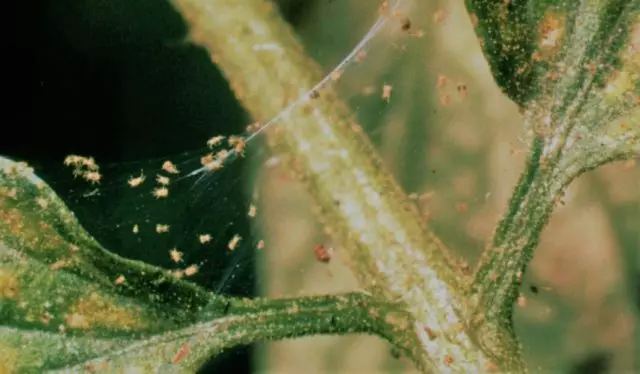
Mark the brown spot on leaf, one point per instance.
(96, 310)
(9, 285)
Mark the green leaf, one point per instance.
(68, 305)
(541, 47)
(65, 299)
(573, 66)
(39, 224)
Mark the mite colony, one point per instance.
(84, 167)
(215, 160)
(87, 168)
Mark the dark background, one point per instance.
(114, 80)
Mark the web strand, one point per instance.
(231, 154)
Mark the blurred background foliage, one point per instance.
(116, 80)
(452, 138)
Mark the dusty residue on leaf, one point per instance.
(10, 357)
(29, 230)
(94, 310)
(623, 82)
(620, 84)
(12, 219)
(550, 33)
(9, 285)
(15, 169)
(631, 56)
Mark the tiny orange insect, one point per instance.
(252, 211)
(161, 192)
(214, 141)
(136, 181)
(204, 238)
(386, 92)
(190, 270)
(233, 243)
(72, 160)
(182, 352)
(93, 177)
(448, 360)
(170, 167)
(440, 16)
(89, 162)
(322, 254)
(176, 255)
(162, 180)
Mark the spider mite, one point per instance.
(93, 177)
(182, 352)
(384, 7)
(440, 16)
(170, 167)
(191, 270)
(204, 238)
(252, 211)
(214, 141)
(386, 92)
(233, 243)
(136, 181)
(162, 180)
(176, 256)
(160, 193)
(322, 253)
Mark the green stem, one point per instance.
(247, 321)
(520, 193)
(390, 250)
(497, 279)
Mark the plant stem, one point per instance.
(246, 321)
(366, 212)
(498, 277)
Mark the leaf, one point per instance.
(574, 69)
(573, 66)
(26, 351)
(62, 310)
(506, 35)
(40, 225)
(530, 44)
(63, 298)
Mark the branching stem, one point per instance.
(246, 321)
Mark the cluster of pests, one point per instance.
(84, 167)
(87, 168)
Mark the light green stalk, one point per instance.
(391, 252)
